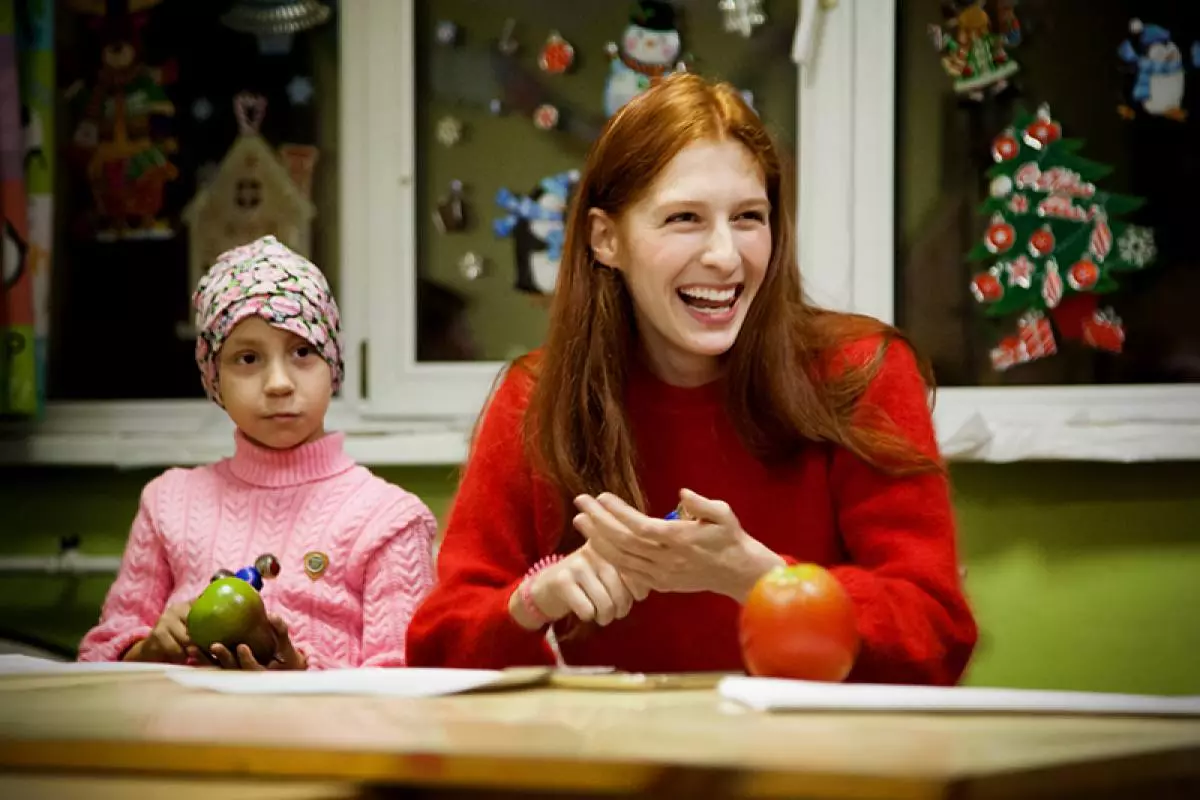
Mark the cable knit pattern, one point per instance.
(314, 498)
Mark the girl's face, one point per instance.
(274, 385)
(693, 252)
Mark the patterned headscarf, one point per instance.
(265, 279)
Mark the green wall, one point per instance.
(1082, 575)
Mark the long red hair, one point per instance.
(780, 393)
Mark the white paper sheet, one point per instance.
(19, 664)
(408, 682)
(765, 694)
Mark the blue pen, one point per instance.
(678, 513)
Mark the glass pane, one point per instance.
(157, 172)
(491, 183)
(1072, 206)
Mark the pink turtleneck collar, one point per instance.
(273, 469)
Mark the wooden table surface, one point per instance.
(114, 732)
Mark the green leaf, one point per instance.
(980, 252)
(1088, 170)
(1118, 204)
(1015, 299)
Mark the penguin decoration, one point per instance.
(1160, 71)
(536, 224)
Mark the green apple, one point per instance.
(231, 612)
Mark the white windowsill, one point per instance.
(1113, 424)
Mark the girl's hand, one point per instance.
(286, 655)
(705, 550)
(168, 642)
(583, 584)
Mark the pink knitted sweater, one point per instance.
(378, 539)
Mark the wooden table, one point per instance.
(145, 736)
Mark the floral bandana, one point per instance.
(265, 279)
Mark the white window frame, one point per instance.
(848, 257)
(416, 414)
(375, 218)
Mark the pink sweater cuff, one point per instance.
(114, 649)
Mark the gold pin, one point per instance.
(315, 564)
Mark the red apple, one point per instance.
(799, 623)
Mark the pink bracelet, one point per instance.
(527, 590)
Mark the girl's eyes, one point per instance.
(248, 358)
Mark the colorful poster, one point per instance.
(35, 65)
(18, 356)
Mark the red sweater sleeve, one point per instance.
(490, 542)
(899, 533)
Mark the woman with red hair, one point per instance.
(683, 368)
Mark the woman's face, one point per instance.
(693, 252)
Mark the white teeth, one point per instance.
(705, 293)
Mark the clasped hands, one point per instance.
(628, 554)
(168, 642)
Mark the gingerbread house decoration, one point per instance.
(254, 192)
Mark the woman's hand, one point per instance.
(583, 584)
(286, 654)
(705, 550)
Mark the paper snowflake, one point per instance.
(1137, 246)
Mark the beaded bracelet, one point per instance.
(527, 590)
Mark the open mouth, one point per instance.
(710, 299)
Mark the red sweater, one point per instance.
(889, 541)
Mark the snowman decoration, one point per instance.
(649, 49)
(1159, 83)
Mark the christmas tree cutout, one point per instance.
(1055, 243)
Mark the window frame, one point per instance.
(848, 255)
(422, 414)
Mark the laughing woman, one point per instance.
(683, 367)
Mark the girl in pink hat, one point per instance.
(353, 553)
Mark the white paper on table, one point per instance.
(19, 664)
(389, 682)
(768, 694)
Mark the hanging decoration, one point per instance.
(202, 109)
(472, 266)
(449, 131)
(507, 44)
(446, 33)
(973, 54)
(300, 90)
(451, 213)
(557, 55)
(117, 138)
(275, 22)
(1054, 242)
(650, 48)
(536, 225)
(255, 192)
(1007, 23)
(545, 117)
(742, 16)
(1159, 71)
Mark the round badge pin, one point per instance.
(315, 564)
